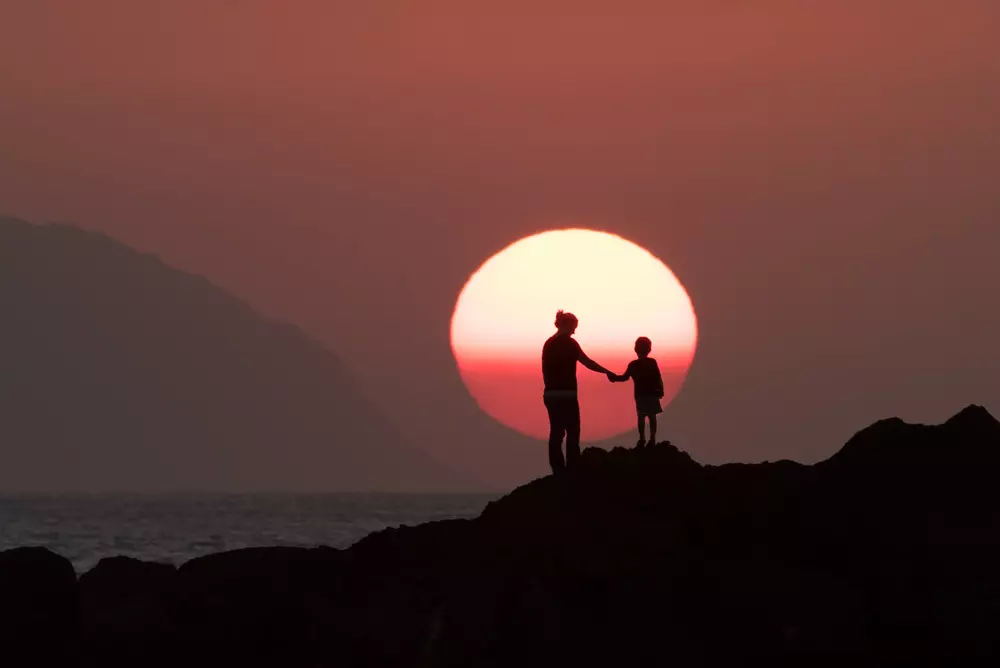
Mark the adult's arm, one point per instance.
(591, 364)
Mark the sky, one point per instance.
(821, 177)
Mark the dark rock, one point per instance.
(974, 419)
(885, 554)
(38, 606)
(259, 606)
(125, 608)
(116, 581)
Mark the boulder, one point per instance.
(38, 606)
(126, 608)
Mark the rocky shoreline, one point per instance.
(885, 553)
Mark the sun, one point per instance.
(617, 289)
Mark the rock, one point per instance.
(885, 554)
(259, 606)
(974, 420)
(126, 606)
(38, 606)
(116, 582)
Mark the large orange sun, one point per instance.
(617, 289)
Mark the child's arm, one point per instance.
(659, 378)
(625, 376)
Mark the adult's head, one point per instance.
(566, 322)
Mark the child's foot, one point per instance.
(641, 443)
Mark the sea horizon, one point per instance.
(176, 527)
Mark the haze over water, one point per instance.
(175, 528)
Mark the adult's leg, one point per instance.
(557, 429)
(642, 427)
(652, 429)
(572, 432)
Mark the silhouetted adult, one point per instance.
(559, 357)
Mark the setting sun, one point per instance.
(618, 290)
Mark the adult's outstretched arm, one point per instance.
(621, 378)
(592, 365)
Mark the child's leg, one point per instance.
(652, 429)
(642, 427)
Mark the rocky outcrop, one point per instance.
(38, 605)
(125, 610)
(885, 554)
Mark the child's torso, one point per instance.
(645, 376)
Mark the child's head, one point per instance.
(643, 346)
(566, 322)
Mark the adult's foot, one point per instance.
(641, 443)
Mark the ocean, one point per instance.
(174, 528)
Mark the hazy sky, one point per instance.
(822, 177)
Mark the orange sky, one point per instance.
(823, 176)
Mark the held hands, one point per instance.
(612, 377)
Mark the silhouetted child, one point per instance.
(645, 375)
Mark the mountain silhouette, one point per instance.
(118, 372)
(884, 554)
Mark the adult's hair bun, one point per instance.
(563, 318)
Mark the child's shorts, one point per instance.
(647, 405)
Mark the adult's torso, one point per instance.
(559, 357)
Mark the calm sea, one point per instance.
(86, 528)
